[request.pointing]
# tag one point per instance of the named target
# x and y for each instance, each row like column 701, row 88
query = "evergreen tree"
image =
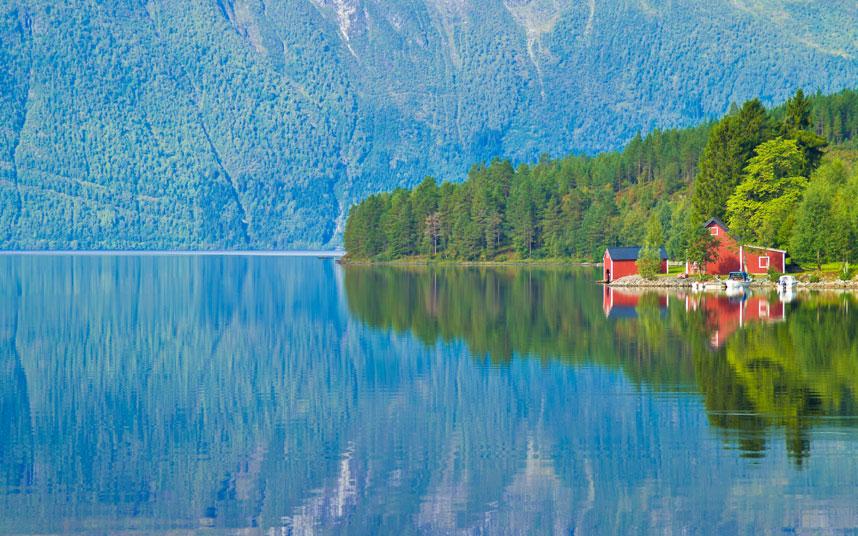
column 728, row 150
column 813, row 232
column 553, row 228
column 823, row 230
column 399, row 227
column 577, row 205
column 364, row 237
column 522, row 217
column 424, row 202
column 596, row 228
column 798, row 112
column 432, row 231
column 796, row 125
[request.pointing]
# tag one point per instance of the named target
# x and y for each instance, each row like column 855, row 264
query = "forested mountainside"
column 785, row 177
column 256, row 124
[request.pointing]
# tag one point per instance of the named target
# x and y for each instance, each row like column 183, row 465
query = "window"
column 764, row 263
column 714, row 230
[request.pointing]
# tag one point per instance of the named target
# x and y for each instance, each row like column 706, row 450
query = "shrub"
column 814, row 277
column 773, row 275
column 649, row 263
column 846, row 272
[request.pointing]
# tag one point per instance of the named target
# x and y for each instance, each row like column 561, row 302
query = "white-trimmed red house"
column 735, row 257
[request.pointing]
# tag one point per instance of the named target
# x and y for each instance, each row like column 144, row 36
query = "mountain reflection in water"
column 294, row 396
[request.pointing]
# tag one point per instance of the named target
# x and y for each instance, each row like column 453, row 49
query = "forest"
column 780, row 177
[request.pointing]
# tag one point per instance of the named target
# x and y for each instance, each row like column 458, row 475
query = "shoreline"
column 168, row 252
column 629, row 282
column 458, row 263
column 632, row 282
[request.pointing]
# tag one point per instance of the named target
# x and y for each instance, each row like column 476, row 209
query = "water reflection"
column 761, row 360
column 288, row 395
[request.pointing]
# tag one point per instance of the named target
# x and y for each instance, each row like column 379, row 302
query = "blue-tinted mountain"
column 257, row 123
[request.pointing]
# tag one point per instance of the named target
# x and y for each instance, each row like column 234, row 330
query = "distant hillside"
column 256, row 124
column 785, row 177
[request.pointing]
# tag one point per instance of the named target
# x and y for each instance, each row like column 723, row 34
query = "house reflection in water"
column 724, row 314
column 623, row 303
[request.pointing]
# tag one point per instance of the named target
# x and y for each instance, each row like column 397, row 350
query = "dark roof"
column 717, row 221
column 631, row 253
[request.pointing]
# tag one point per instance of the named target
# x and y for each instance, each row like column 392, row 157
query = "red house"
column 622, row 261
column 735, row 257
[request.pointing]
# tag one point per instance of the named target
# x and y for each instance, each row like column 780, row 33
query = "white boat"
column 738, row 282
column 786, row 282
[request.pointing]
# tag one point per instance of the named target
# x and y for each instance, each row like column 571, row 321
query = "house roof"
column 631, row 253
column 764, row 247
column 718, row 221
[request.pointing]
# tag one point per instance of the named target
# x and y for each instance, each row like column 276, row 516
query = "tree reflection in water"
column 148, row 393
column 760, row 361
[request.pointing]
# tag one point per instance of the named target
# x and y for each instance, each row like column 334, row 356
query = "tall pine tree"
column 729, row 148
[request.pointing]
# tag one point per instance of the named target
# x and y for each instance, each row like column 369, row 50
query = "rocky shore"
column 637, row 281
column 659, row 282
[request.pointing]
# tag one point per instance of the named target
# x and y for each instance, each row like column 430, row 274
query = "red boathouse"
column 622, row 261
column 735, row 257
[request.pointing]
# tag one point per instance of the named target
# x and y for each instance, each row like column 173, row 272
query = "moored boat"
column 786, row 282
column 738, row 281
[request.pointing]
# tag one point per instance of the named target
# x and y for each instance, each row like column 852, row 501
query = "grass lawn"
column 675, row 270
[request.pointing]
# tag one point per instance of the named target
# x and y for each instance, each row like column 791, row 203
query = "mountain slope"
column 256, row 124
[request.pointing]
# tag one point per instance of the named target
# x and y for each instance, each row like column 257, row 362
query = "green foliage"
column 762, row 208
column 846, row 272
column 649, row 262
column 833, row 118
column 729, row 148
column 773, row 275
column 702, row 247
column 797, row 124
column 557, row 208
column 820, row 233
column 577, row 205
column 798, row 112
column 424, row 201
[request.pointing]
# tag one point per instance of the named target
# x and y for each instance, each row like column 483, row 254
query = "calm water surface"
column 292, row 396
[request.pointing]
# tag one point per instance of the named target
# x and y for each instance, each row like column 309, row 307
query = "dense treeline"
column 769, row 173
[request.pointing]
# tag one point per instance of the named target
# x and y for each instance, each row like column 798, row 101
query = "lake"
column 291, row 395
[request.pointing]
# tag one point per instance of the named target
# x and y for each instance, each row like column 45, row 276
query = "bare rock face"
column 349, row 14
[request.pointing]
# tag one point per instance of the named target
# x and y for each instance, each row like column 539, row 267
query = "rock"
column 659, row 282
